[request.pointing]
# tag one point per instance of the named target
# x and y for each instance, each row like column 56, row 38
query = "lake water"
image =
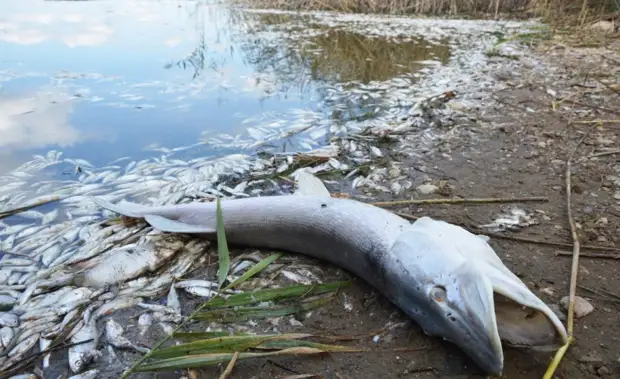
column 102, row 80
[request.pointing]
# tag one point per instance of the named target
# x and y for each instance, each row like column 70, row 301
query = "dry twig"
column 591, row 255
column 603, row 153
column 574, row 270
column 461, row 201
column 230, row 366
column 11, row 212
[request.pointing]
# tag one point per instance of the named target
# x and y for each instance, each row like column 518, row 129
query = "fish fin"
column 124, row 208
column 173, row 226
column 310, row 185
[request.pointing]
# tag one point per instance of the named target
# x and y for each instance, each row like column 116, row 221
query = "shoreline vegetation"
column 566, row 13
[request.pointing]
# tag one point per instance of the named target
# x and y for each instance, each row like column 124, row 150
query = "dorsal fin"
column 310, row 185
column 125, row 208
column 172, row 226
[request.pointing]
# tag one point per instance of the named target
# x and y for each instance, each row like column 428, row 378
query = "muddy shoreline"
column 507, row 137
column 514, row 144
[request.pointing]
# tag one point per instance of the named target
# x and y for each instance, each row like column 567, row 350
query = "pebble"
column 603, row 371
column 617, row 195
column 591, row 357
column 427, row 189
column 582, row 306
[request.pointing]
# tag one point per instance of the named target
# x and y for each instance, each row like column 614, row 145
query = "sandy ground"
column 517, row 144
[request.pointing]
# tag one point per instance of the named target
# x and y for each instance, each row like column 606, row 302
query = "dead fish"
column 144, row 323
column 114, row 335
column 115, row 305
column 173, row 300
column 82, row 354
column 123, row 265
column 6, row 336
column 24, row 346
column 43, row 345
column 446, row 276
column 9, row 319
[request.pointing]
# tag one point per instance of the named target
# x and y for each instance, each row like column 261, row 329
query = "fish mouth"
column 478, row 328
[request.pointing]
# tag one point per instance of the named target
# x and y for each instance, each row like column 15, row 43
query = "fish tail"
column 310, row 185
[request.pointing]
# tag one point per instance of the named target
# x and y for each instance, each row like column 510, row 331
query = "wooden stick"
column 597, row 122
column 11, row 212
column 548, row 243
column 461, row 201
column 591, row 255
column 603, row 153
column 230, row 366
column 574, row 270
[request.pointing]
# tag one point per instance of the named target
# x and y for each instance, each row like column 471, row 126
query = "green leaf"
column 285, row 344
column 228, row 315
column 273, row 294
column 260, row 266
column 222, row 246
column 202, row 360
column 223, row 344
column 196, row 336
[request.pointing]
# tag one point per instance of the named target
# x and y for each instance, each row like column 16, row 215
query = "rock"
column 591, row 357
column 605, row 141
column 542, row 145
column 582, row 306
column 427, row 189
column 603, row 371
column 602, row 221
column 617, row 195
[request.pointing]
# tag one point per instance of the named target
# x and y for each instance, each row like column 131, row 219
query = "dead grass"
column 570, row 12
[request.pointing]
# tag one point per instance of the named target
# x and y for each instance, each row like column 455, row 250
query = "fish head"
column 454, row 286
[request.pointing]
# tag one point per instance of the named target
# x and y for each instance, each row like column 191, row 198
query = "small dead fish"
column 173, row 300
column 43, row 345
column 7, row 301
column 9, row 319
column 27, row 294
column 144, row 323
column 114, row 335
column 158, row 308
column 82, row 354
column 200, row 291
column 168, row 317
column 115, row 305
column 6, row 336
column 25, row 345
column 167, row 328
column 196, row 283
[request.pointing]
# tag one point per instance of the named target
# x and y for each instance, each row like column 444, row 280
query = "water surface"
column 102, row 80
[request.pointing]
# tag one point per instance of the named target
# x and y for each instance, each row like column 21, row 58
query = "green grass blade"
column 198, row 336
column 202, row 360
column 228, row 344
column 222, row 246
column 246, row 313
column 285, row 344
column 260, row 266
column 274, row 294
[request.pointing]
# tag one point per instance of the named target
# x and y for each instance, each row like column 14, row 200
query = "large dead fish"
column 448, row 280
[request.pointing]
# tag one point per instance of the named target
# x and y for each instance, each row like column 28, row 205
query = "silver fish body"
column 442, row 276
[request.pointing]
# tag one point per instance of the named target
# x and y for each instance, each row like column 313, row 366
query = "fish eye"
column 438, row 294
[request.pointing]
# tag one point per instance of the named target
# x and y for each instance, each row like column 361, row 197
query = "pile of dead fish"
column 65, row 268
